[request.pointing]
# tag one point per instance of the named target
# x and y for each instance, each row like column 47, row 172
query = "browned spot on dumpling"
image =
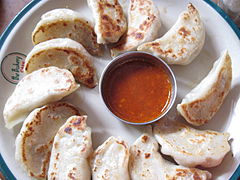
column 186, row 16
column 77, row 122
column 45, row 165
column 69, row 81
column 155, row 44
column 137, row 35
column 187, row 112
column 68, row 130
column 163, row 52
column 56, row 145
column 196, row 176
column 192, row 9
column 181, row 172
column 110, row 5
column 109, row 26
column 184, row 32
column 182, row 51
column 147, row 155
column 144, row 139
column 193, row 39
column 198, row 141
column 122, row 143
column 138, row 152
column 211, row 133
column 57, row 156
column 31, row 174
column 83, row 149
column 147, row 23
column 71, row 176
column 53, row 175
column 158, row 49
column 168, row 51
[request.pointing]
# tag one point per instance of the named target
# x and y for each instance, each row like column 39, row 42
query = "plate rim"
column 3, row 167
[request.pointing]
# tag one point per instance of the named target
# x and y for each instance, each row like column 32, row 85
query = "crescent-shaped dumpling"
column 191, row 147
column 66, row 23
column 110, row 160
column 146, row 163
column 34, row 142
column 143, row 26
column 71, row 148
column 41, row 87
column 183, row 42
column 110, row 22
column 202, row 102
column 63, row 53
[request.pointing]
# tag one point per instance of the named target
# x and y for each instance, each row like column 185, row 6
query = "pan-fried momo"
column 43, row 86
column 143, row 25
column 34, row 142
column 191, row 147
column 201, row 103
column 66, row 23
column 71, row 148
column 146, row 163
column 183, row 42
column 110, row 22
column 110, row 160
column 63, row 53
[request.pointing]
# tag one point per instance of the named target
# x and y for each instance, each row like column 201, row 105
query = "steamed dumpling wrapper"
column 201, row 103
column 110, row 160
column 66, row 23
column 41, row 87
column 34, row 142
column 183, row 42
column 63, row 53
column 191, row 147
column 72, row 147
column 146, row 163
column 110, row 22
column 143, row 26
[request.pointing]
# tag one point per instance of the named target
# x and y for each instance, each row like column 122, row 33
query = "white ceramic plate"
column 16, row 42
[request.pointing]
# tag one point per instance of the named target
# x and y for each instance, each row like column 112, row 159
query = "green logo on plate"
column 12, row 67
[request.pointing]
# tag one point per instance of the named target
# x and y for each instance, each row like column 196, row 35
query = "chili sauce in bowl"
column 138, row 88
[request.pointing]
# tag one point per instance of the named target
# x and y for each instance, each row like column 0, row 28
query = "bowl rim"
column 170, row 73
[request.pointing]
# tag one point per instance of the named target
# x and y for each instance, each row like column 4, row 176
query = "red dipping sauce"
column 138, row 91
